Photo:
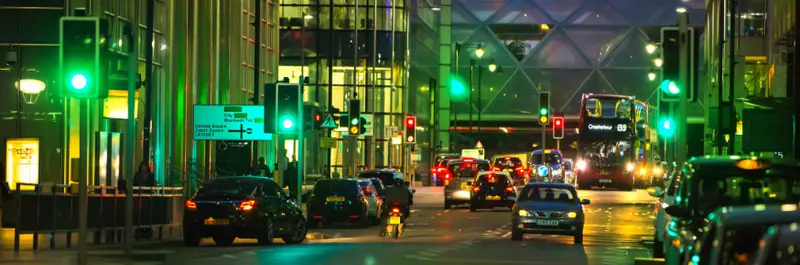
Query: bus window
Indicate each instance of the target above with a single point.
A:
(594, 108)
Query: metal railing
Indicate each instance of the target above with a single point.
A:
(52, 209)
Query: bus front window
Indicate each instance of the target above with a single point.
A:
(607, 152)
(608, 108)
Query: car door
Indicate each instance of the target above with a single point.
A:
(280, 209)
(666, 200)
(372, 199)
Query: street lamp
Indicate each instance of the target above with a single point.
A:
(308, 16)
(651, 75)
(651, 48)
(680, 10)
(479, 52)
(658, 62)
(492, 67)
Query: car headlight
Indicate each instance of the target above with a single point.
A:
(657, 171)
(524, 213)
(629, 167)
(557, 171)
(572, 215)
(581, 165)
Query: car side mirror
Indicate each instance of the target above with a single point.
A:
(469, 183)
(586, 201)
(655, 191)
(676, 211)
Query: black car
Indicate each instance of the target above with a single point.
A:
(492, 189)
(245, 207)
(514, 167)
(387, 177)
(338, 201)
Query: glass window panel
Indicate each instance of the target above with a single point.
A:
(483, 9)
(640, 12)
(491, 46)
(520, 40)
(343, 17)
(400, 20)
(462, 33)
(563, 84)
(324, 17)
(630, 52)
(596, 83)
(462, 16)
(296, 43)
(597, 13)
(557, 51)
(382, 17)
(521, 12)
(300, 2)
(631, 82)
(490, 84)
(559, 9)
(516, 97)
(597, 43)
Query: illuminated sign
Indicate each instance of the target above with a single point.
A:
(606, 127)
(22, 158)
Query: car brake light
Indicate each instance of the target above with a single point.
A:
(396, 210)
(496, 168)
(247, 205)
(476, 189)
(469, 160)
(447, 177)
(191, 205)
(509, 189)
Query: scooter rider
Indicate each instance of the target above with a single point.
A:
(399, 195)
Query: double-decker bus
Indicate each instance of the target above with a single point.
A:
(645, 146)
(606, 142)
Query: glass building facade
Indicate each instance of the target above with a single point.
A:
(354, 49)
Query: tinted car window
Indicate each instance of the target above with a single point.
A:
(541, 193)
(500, 180)
(552, 158)
(229, 186)
(745, 190)
(340, 187)
(740, 244)
(270, 188)
(510, 162)
(386, 177)
(468, 170)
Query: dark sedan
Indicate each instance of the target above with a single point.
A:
(245, 207)
(548, 208)
(492, 189)
(338, 201)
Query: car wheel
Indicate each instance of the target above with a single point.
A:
(578, 238)
(658, 247)
(516, 234)
(190, 239)
(267, 233)
(224, 240)
(298, 234)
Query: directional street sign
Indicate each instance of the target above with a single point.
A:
(329, 122)
(229, 122)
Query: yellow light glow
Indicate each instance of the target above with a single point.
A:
(30, 86)
(789, 207)
(544, 27)
(116, 105)
(658, 62)
(22, 162)
(572, 214)
(749, 164)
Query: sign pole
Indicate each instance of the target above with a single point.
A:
(130, 140)
(558, 144)
(83, 197)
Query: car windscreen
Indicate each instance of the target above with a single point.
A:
(229, 187)
(733, 190)
(468, 169)
(551, 158)
(544, 193)
(493, 180)
(509, 162)
(331, 187)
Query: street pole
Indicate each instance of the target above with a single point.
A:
(148, 82)
(130, 140)
(471, 87)
(480, 102)
(83, 197)
(453, 105)
(681, 148)
(254, 154)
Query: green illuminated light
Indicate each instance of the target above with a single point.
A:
(354, 121)
(543, 111)
(78, 81)
(667, 127)
(287, 123)
(669, 86)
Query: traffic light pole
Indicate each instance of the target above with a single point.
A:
(130, 140)
(148, 82)
(83, 197)
(681, 148)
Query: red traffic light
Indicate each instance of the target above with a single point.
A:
(317, 117)
(411, 121)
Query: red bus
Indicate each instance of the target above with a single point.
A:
(606, 142)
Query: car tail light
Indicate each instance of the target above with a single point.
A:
(395, 210)
(354, 216)
(317, 216)
(447, 177)
(476, 189)
(509, 189)
(469, 160)
(519, 169)
(191, 205)
(496, 168)
(247, 205)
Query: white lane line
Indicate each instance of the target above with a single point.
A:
(507, 234)
(228, 256)
(499, 261)
(417, 257)
(447, 210)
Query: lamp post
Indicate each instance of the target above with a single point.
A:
(492, 68)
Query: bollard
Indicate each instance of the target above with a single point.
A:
(18, 197)
(38, 217)
(54, 227)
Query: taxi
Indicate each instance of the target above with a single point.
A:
(707, 183)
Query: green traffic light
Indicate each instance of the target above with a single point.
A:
(543, 111)
(669, 86)
(287, 123)
(78, 81)
(354, 121)
(667, 127)
(458, 87)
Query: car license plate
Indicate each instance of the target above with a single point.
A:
(492, 198)
(547, 222)
(394, 220)
(334, 199)
(212, 221)
(464, 186)
(603, 172)
(605, 181)
(508, 170)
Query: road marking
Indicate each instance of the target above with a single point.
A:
(507, 234)
(498, 261)
(228, 256)
(447, 210)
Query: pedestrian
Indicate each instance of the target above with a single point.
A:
(290, 178)
(144, 178)
(5, 189)
(261, 168)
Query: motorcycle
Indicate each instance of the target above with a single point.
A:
(395, 224)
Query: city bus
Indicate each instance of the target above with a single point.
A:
(646, 157)
(606, 142)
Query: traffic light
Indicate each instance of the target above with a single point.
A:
(354, 116)
(671, 88)
(666, 127)
(458, 88)
(79, 56)
(313, 118)
(411, 129)
(544, 108)
(290, 108)
(317, 121)
(558, 127)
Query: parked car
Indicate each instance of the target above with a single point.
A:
(245, 207)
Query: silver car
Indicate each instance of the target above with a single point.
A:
(548, 208)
